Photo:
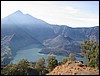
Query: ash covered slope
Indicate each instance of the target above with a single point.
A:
(72, 68)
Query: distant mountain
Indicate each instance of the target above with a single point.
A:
(27, 30)
(69, 39)
(61, 45)
(58, 41)
(78, 34)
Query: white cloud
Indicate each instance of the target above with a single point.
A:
(70, 9)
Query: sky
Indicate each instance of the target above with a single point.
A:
(70, 13)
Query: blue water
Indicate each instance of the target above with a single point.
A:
(31, 54)
(80, 59)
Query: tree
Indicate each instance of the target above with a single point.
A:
(71, 57)
(40, 61)
(65, 60)
(21, 68)
(10, 69)
(52, 62)
(40, 66)
(90, 51)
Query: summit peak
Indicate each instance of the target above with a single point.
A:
(19, 12)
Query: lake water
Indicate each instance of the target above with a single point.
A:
(31, 54)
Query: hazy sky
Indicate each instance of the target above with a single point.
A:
(70, 13)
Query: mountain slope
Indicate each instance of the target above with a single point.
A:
(68, 40)
(61, 45)
(78, 34)
(6, 52)
(27, 30)
(72, 68)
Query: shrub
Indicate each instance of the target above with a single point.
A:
(90, 51)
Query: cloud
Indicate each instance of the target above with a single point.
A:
(89, 19)
(52, 13)
(70, 9)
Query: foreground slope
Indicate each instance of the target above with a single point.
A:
(74, 68)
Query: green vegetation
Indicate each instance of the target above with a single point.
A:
(65, 60)
(10, 69)
(52, 62)
(71, 57)
(40, 66)
(90, 51)
(22, 68)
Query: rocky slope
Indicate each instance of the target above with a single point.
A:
(74, 68)
(6, 52)
(61, 45)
